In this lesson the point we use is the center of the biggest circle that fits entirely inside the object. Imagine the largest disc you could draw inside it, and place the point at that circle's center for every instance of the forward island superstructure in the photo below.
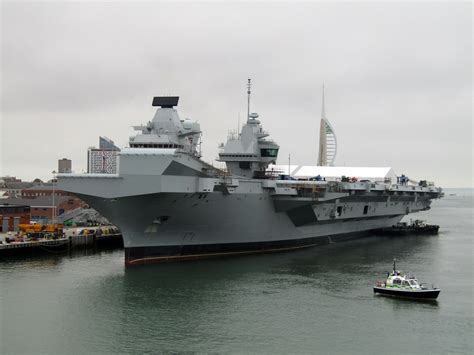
(171, 205)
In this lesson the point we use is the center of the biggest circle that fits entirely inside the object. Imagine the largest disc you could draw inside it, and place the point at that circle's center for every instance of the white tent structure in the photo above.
(333, 173)
(327, 155)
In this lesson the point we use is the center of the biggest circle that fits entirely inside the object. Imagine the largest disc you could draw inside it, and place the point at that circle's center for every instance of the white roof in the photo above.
(283, 169)
(147, 151)
(333, 172)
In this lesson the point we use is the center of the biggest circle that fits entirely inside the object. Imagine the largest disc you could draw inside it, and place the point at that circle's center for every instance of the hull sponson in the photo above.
(150, 255)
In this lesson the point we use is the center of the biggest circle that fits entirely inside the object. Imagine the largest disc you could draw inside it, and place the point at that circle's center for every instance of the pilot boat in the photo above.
(405, 286)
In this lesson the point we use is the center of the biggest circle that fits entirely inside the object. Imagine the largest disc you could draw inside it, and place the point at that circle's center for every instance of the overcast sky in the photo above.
(398, 79)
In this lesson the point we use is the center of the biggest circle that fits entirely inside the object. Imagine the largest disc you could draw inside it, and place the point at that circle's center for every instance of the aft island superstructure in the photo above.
(171, 205)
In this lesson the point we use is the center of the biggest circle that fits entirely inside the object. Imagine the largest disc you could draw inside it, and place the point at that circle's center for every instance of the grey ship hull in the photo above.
(171, 205)
(176, 226)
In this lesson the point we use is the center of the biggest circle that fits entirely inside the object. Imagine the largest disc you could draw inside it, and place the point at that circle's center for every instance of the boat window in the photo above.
(339, 210)
(405, 283)
(397, 281)
(366, 209)
(413, 282)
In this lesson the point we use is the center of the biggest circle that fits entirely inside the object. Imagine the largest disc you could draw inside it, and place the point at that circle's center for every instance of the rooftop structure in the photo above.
(41, 201)
(7, 179)
(14, 189)
(46, 189)
(107, 143)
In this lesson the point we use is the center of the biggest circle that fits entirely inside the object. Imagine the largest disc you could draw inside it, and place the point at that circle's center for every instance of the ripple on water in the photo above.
(314, 300)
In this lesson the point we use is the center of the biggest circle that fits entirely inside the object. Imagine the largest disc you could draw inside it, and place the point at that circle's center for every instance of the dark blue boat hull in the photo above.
(422, 294)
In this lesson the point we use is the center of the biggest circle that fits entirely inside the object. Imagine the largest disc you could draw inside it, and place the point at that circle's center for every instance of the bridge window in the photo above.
(266, 152)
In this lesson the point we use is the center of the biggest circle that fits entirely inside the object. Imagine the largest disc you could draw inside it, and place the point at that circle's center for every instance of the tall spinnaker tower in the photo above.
(327, 140)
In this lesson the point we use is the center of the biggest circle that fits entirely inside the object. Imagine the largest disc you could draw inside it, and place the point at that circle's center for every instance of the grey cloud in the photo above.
(398, 76)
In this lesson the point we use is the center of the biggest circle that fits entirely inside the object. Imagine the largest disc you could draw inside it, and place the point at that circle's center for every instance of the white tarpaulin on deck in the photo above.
(336, 172)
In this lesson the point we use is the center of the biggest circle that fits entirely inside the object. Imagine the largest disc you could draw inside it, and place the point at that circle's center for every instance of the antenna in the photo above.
(238, 124)
(289, 164)
(249, 84)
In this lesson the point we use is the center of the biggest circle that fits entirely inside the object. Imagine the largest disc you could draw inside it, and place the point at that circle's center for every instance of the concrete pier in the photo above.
(73, 238)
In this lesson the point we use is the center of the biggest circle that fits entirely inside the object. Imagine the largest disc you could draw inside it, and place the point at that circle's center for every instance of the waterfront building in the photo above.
(11, 215)
(42, 190)
(14, 189)
(46, 209)
(102, 160)
(64, 166)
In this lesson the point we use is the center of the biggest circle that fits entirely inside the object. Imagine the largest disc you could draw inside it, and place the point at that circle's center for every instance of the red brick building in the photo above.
(39, 199)
(42, 190)
(42, 208)
(13, 215)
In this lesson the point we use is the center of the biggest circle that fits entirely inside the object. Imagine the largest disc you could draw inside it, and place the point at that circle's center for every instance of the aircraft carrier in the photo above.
(172, 205)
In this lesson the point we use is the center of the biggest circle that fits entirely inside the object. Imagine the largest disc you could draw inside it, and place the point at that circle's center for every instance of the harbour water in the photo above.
(308, 301)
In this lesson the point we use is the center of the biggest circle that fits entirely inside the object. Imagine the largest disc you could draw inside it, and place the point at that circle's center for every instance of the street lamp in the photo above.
(54, 193)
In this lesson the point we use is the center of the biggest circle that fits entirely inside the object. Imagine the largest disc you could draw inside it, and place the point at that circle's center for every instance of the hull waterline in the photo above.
(416, 294)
